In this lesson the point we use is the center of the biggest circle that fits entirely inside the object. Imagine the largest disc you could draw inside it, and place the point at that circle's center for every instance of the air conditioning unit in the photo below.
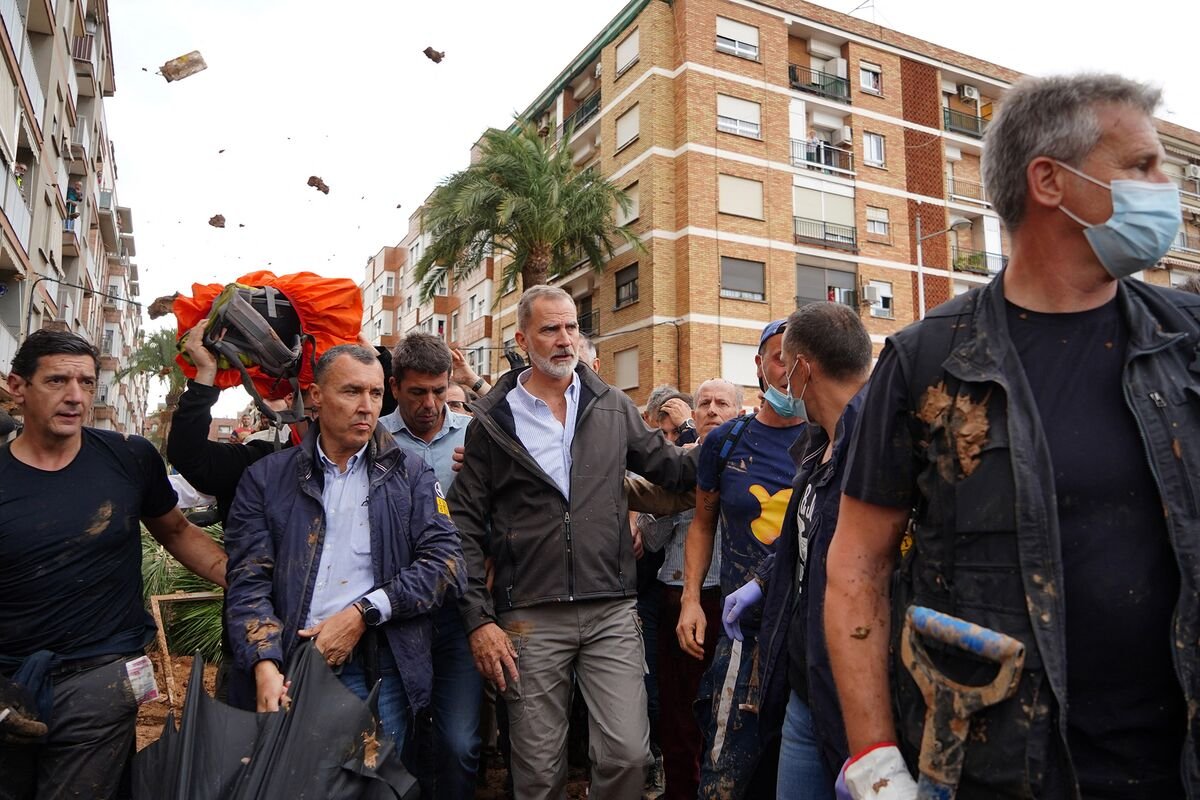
(842, 135)
(870, 295)
(968, 92)
(1192, 171)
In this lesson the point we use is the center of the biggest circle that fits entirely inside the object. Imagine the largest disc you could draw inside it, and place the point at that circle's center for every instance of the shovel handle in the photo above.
(966, 636)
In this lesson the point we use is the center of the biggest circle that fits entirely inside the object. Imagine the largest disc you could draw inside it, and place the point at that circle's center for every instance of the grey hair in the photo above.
(587, 350)
(421, 352)
(738, 393)
(533, 294)
(363, 355)
(659, 395)
(1055, 117)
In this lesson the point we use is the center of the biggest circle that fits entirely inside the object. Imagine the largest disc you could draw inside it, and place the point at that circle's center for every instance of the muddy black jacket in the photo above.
(986, 539)
(545, 548)
(275, 534)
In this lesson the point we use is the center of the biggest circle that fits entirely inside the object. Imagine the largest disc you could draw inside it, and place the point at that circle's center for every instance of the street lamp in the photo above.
(956, 224)
(29, 309)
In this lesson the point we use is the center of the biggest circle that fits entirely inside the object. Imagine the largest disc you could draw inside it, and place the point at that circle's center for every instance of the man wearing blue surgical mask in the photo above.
(1042, 436)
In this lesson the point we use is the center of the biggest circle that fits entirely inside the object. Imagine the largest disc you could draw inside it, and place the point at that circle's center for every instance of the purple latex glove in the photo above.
(737, 604)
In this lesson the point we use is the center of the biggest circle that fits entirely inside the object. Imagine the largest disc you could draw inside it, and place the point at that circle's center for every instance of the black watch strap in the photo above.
(370, 612)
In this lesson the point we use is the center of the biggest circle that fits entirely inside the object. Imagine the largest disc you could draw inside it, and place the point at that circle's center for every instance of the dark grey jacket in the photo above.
(545, 548)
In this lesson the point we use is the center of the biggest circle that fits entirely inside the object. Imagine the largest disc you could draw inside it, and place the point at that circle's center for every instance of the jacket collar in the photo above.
(382, 451)
(590, 386)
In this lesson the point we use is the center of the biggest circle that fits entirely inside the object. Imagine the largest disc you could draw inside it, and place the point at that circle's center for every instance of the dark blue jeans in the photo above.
(393, 702)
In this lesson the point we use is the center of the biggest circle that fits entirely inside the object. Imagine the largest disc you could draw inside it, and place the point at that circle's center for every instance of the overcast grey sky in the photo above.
(341, 90)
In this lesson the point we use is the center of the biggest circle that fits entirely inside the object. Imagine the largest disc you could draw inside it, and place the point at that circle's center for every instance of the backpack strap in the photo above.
(732, 437)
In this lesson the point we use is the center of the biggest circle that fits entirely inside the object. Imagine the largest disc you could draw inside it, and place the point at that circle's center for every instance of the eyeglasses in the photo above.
(457, 405)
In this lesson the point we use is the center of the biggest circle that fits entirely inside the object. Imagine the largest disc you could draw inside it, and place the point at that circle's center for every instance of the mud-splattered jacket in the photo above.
(274, 538)
(546, 548)
(985, 540)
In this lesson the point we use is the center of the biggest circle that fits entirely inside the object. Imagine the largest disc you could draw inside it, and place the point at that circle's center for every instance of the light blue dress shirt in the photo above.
(546, 439)
(346, 572)
(438, 453)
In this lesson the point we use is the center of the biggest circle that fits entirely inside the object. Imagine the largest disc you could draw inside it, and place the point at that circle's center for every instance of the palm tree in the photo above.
(525, 199)
(155, 357)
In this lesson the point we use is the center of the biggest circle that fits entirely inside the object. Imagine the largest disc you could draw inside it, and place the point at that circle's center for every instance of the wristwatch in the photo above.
(370, 613)
(475, 386)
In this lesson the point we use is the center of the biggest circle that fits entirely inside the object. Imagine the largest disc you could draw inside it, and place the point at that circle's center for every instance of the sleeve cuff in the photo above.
(380, 600)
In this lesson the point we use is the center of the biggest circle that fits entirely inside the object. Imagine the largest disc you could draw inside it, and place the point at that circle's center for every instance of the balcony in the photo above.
(81, 145)
(70, 237)
(1187, 244)
(8, 348)
(83, 52)
(1189, 188)
(589, 323)
(822, 157)
(578, 119)
(823, 84)
(958, 189)
(109, 229)
(831, 234)
(16, 208)
(976, 262)
(966, 124)
(33, 84)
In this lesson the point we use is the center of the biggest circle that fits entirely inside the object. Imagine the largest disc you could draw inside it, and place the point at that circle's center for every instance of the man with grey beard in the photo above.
(541, 491)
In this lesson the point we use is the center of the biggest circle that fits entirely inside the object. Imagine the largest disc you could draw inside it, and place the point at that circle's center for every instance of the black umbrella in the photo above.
(326, 745)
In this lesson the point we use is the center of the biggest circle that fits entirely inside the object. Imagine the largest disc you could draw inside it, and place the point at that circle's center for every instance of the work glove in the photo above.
(736, 604)
(876, 774)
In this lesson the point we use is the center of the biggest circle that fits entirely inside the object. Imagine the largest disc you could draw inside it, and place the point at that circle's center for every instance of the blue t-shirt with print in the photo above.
(755, 488)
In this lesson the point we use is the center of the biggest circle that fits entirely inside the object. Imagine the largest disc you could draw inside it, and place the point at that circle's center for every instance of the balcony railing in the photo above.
(587, 110)
(13, 23)
(33, 84)
(827, 233)
(1189, 187)
(822, 156)
(968, 124)
(1185, 243)
(16, 208)
(814, 81)
(978, 262)
(959, 189)
(589, 323)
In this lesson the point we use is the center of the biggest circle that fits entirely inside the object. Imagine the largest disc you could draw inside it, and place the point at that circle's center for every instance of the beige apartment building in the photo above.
(66, 244)
(777, 154)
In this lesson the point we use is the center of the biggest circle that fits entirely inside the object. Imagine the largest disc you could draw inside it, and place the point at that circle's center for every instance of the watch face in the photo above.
(373, 616)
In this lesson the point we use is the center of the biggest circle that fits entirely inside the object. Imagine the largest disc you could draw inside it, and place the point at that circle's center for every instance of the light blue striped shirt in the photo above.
(546, 439)
(669, 534)
(346, 572)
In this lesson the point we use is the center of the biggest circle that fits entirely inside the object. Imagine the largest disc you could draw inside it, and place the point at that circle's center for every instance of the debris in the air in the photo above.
(217, 220)
(318, 184)
(434, 55)
(398, 205)
(240, 225)
(179, 68)
(222, 150)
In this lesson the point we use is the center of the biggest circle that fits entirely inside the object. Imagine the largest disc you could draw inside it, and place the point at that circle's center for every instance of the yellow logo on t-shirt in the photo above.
(770, 521)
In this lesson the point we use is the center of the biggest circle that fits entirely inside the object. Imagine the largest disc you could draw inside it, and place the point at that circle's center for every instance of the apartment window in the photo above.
(415, 251)
(873, 149)
(824, 217)
(737, 38)
(634, 195)
(877, 222)
(454, 327)
(408, 303)
(625, 363)
(106, 345)
(881, 304)
(472, 308)
(742, 279)
(740, 196)
(628, 127)
(870, 77)
(817, 284)
(738, 116)
(627, 52)
(737, 363)
(389, 285)
(627, 285)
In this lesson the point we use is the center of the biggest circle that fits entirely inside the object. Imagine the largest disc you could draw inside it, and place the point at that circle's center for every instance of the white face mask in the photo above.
(1145, 220)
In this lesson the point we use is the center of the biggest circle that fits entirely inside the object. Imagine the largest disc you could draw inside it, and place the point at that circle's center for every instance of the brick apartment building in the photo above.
(65, 243)
(777, 154)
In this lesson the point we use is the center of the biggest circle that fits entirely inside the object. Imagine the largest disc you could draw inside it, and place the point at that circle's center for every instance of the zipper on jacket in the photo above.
(570, 556)
(1161, 403)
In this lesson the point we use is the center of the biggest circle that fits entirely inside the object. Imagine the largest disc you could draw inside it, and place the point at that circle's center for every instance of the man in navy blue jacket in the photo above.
(345, 540)
(829, 351)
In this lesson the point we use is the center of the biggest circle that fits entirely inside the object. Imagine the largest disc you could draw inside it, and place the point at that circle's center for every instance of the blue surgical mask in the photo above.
(786, 405)
(1144, 222)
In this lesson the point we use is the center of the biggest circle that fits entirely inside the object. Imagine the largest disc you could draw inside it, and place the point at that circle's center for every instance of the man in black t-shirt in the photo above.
(1042, 433)
(71, 613)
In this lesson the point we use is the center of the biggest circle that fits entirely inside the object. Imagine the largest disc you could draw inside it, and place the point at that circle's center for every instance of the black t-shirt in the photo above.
(70, 546)
(808, 518)
(1126, 720)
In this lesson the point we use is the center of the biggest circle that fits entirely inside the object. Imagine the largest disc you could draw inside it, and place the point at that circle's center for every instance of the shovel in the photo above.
(950, 704)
